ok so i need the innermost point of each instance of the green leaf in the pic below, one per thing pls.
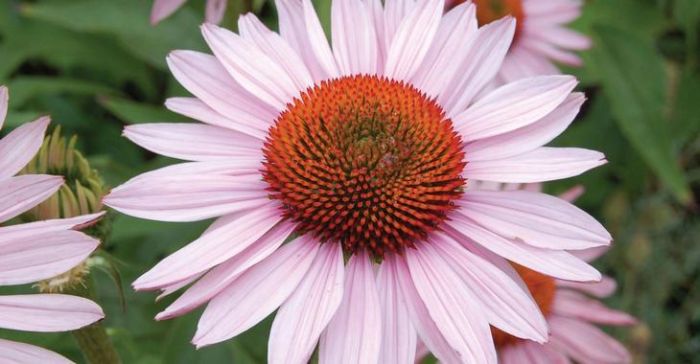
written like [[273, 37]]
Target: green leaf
[[132, 112], [686, 111], [637, 94], [27, 87]]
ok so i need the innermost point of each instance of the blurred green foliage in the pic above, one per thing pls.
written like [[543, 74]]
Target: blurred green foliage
[[96, 65]]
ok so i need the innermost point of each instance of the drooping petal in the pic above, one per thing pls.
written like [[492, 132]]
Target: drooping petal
[[306, 313], [21, 193], [4, 100], [575, 305], [228, 237], [20, 146], [354, 37], [398, 334], [196, 109], [602, 289], [163, 9], [215, 10], [30, 259], [256, 293], [354, 334], [47, 312], [194, 142], [586, 343], [18, 231], [19, 353]]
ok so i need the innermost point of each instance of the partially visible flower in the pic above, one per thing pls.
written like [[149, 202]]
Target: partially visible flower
[[162, 9], [541, 36], [36, 251]]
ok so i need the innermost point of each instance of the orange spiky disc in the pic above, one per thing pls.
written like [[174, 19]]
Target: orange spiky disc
[[365, 161]]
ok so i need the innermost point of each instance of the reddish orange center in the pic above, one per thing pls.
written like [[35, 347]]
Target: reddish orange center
[[542, 289], [364, 161]]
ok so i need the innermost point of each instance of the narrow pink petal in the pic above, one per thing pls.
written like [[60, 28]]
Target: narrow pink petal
[[272, 44], [305, 314], [195, 142], [376, 12], [257, 72], [572, 194], [206, 78], [530, 137], [602, 289], [539, 165], [535, 353], [215, 10], [229, 236], [563, 38], [220, 277], [354, 334], [586, 343], [27, 260], [427, 328], [398, 334], [18, 231], [513, 106], [395, 11], [591, 254], [172, 288], [504, 303], [21, 193], [198, 110], [163, 9], [480, 67], [47, 312], [168, 196], [555, 263], [317, 41], [534, 218], [412, 40], [4, 100], [354, 37], [256, 293], [522, 62], [20, 146], [549, 51], [454, 311], [19, 353], [575, 305]]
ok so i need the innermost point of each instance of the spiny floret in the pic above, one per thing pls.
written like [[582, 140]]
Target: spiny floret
[[365, 161]]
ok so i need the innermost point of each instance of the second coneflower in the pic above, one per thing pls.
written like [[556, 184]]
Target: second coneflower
[[325, 164]]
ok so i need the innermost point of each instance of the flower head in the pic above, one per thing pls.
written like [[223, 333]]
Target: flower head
[[38, 250], [324, 165]]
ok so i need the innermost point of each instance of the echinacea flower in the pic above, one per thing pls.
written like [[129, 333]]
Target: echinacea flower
[[214, 11], [541, 36], [325, 164], [36, 251]]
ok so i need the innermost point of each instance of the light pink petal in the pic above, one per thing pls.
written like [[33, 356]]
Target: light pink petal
[[163, 9], [206, 78], [272, 44], [563, 38], [195, 142], [427, 328], [457, 31], [535, 218], [413, 39], [292, 24], [306, 313], [20, 146], [504, 303], [530, 137], [172, 288], [19, 353], [220, 277], [513, 106], [575, 305], [256, 293], [354, 334], [215, 10], [19, 231], [532, 353], [257, 72], [555, 263], [4, 100], [395, 11], [573, 193], [229, 236], [47, 312], [317, 41], [30, 259], [522, 62], [586, 343], [552, 12], [549, 51], [480, 66], [376, 12], [21, 193], [198, 110], [167, 195], [354, 37], [539, 165], [398, 334], [455, 312], [602, 289]]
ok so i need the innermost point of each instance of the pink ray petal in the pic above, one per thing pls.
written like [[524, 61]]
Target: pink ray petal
[[21, 193], [163, 9], [47, 312], [4, 100], [27, 230], [317, 41], [602, 289], [586, 343], [19, 353], [355, 43], [398, 334], [20, 146], [215, 10], [575, 305]]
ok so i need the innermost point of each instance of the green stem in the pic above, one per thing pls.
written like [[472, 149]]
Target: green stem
[[93, 340]]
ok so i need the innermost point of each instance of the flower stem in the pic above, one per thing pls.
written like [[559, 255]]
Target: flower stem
[[93, 340]]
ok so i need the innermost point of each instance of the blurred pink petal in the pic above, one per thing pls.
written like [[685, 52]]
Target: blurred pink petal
[[585, 343], [14, 352], [163, 9], [215, 10]]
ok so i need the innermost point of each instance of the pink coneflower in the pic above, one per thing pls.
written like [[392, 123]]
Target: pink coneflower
[[325, 165], [36, 251], [541, 37], [214, 12]]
